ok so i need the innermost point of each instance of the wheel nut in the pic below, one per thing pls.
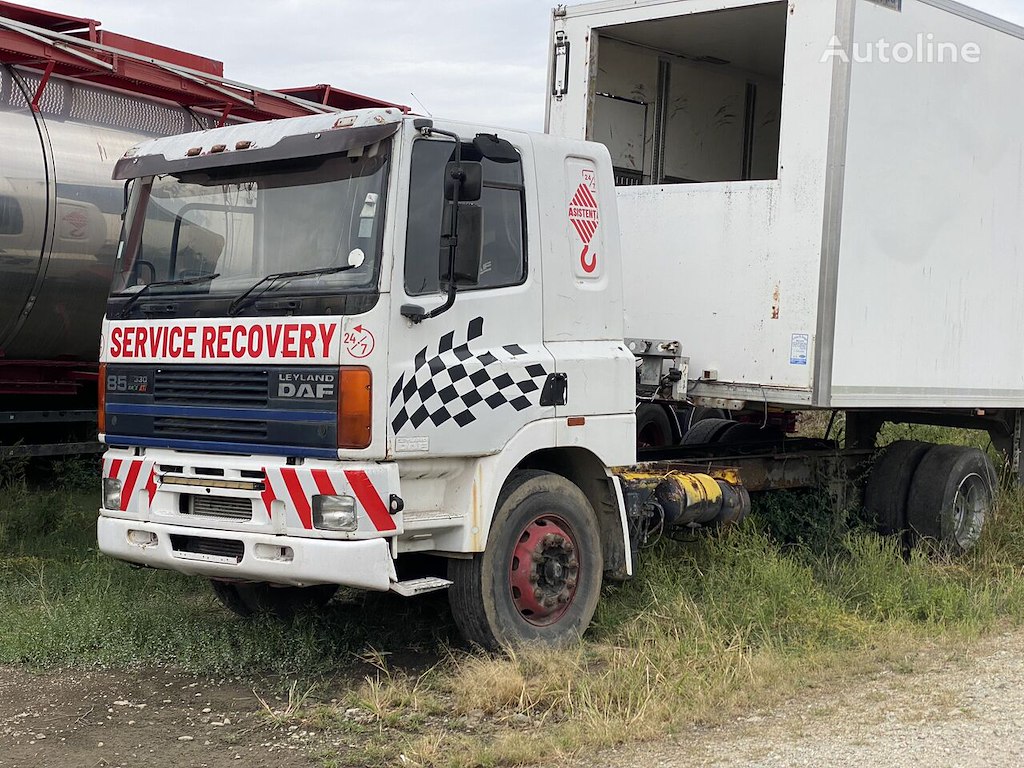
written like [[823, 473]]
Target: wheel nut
[[537, 594], [570, 583]]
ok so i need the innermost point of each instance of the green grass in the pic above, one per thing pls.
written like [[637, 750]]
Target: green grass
[[63, 603], [707, 629]]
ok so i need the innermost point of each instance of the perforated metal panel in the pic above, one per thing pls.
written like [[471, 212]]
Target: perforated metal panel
[[99, 106]]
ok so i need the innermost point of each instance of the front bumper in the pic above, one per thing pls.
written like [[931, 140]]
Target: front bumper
[[277, 559]]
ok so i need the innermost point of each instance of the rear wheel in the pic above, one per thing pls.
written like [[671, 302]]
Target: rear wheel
[[952, 493], [707, 431], [699, 413], [251, 598], [539, 578], [653, 427], [885, 496], [747, 432]]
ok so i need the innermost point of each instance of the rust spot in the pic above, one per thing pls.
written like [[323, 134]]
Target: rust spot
[[776, 294]]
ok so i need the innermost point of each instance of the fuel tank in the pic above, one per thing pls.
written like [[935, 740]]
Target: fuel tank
[[60, 213]]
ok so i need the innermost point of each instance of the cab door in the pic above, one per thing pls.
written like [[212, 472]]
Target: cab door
[[464, 382]]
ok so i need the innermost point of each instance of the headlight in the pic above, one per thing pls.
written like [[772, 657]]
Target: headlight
[[111, 493], [335, 513]]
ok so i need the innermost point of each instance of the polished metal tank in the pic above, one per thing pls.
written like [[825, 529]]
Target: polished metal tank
[[59, 209]]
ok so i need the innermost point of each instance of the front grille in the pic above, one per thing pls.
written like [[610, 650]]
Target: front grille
[[200, 545], [243, 430], [223, 507], [211, 386]]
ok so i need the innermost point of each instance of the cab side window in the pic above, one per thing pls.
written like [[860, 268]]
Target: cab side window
[[504, 233]]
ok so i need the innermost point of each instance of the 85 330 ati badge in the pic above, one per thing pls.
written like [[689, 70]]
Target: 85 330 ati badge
[[450, 384]]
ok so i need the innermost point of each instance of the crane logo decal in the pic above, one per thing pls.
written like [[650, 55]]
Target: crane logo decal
[[447, 386], [584, 217]]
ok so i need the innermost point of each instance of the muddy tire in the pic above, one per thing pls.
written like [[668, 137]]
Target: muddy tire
[[888, 488], [252, 598], [952, 493], [539, 579]]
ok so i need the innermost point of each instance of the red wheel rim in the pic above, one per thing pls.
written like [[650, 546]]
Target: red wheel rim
[[544, 570]]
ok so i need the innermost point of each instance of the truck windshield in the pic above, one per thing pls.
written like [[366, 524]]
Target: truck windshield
[[242, 223]]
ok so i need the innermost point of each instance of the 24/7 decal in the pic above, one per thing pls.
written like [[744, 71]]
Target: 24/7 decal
[[359, 342], [584, 216], [449, 385]]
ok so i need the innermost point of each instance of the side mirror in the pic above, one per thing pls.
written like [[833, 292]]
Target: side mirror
[[467, 178], [495, 149], [470, 248]]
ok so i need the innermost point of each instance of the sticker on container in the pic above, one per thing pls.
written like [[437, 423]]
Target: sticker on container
[[798, 348]]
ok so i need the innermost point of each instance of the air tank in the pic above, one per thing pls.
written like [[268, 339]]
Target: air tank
[[60, 213]]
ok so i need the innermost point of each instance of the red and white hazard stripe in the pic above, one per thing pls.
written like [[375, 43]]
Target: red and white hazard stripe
[[585, 227], [135, 475], [296, 488]]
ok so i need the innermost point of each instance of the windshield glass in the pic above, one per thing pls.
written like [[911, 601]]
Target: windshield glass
[[246, 222]]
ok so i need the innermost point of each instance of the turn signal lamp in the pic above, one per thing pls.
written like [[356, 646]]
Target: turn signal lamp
[[354, 412]]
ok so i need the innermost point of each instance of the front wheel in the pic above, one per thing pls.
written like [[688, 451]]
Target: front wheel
[[539, 578]]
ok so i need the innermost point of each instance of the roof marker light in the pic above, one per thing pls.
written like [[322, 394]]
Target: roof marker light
[[193, 152]]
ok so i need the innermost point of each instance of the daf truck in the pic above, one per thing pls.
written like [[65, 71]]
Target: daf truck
[[397, 353]]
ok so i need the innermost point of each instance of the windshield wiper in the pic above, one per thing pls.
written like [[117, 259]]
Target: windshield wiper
[[145, 289], [243, 300]]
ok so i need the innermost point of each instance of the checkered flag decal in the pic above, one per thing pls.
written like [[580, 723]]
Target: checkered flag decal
[[449, 385]]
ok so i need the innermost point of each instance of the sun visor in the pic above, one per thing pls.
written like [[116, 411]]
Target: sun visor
[[326, 142]]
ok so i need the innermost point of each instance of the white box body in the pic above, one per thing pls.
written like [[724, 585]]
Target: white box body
[[852, 231]]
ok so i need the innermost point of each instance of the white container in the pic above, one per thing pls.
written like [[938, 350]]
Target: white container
[[853, 233]]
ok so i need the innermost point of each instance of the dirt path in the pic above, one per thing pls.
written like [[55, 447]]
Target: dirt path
[[157, 719], [965, 711]]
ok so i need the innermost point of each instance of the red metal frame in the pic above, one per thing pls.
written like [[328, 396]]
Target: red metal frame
[[74, 47], [337, 98]]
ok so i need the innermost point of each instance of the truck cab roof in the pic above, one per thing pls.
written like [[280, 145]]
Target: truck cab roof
[[260, 142]]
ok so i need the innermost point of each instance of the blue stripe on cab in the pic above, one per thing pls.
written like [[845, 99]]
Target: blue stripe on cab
[[188, 411]]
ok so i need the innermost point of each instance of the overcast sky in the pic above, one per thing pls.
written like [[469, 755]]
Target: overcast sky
[[480, 60]]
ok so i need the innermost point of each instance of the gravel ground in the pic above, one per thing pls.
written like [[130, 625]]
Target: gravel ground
[[154, 718], [965, 711]]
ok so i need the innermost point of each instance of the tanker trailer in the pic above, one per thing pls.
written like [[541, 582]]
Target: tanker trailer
[[73, 99]]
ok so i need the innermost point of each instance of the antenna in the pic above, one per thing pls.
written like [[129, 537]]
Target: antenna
[[420, 103]]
